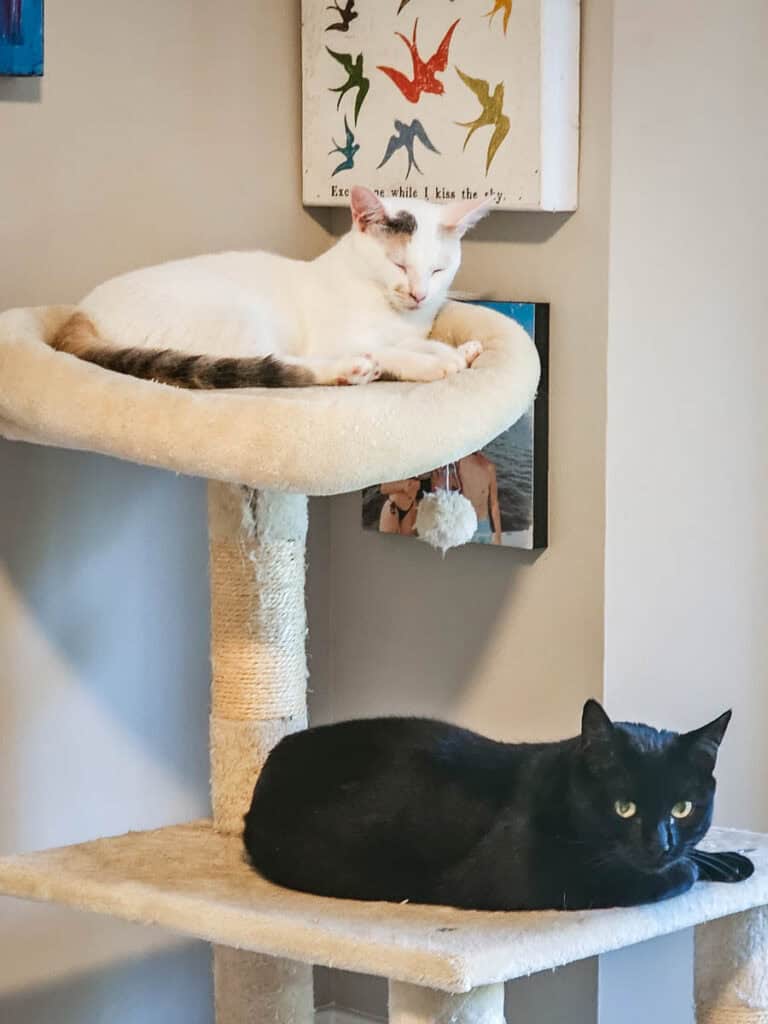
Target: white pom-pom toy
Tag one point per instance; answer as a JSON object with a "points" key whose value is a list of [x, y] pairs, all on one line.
{"points": [[446, 519]]}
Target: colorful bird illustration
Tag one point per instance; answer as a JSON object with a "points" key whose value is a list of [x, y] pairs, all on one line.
{"points": [[424, 72], [500, 5], [346, 13], [404, 3], [355, 79], [491, 114], [348, 150], [404, 137]]}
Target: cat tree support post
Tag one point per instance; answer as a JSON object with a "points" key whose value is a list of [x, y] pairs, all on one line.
{"points": [[258, 630], [732, 969], [413, 1004]]}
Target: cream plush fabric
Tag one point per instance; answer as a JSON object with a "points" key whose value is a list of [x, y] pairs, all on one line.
{"points": [[193, 880], [732, 969], [309, 441], [413, 1004]]}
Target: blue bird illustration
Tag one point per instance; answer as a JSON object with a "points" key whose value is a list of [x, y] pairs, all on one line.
{"points": [[355, 79], [404, 137], [348, 150]]}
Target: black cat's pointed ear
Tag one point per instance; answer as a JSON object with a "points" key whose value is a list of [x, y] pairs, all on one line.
{"points": [[596, 726], [703, 744]]}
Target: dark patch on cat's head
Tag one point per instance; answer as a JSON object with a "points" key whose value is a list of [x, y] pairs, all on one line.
{"points": [[368, 211], [402, 223], [649, 772]]}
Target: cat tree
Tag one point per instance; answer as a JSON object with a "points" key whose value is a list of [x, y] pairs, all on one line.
{"points": [[263, 452]]}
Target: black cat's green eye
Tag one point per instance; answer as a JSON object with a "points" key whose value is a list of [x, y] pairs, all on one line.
{"points": [[625, 808], [682, 809]]}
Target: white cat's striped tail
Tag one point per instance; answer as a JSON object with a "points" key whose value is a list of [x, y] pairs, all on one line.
{"points": [[79, 337]]}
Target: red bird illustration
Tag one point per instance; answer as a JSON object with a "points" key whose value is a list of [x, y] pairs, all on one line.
{"points": [[424, 73]]}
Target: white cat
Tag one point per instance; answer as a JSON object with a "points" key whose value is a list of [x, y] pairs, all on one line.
{"points": [[360, 311]]}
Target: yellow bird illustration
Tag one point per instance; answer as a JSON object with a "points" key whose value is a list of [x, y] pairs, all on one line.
{"points": [[501, 5], [491, 114]]}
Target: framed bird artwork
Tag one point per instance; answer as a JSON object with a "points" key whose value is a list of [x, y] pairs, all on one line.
{"points": [[442, 99]]}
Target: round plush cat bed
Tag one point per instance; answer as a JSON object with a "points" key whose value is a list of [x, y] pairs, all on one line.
{"points": [[319, 440]]}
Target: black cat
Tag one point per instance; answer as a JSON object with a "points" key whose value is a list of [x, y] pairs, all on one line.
{"points": [[412, 809]]}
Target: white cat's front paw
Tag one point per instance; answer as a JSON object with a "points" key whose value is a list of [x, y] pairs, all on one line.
{"points": [[444, 363], [357, 370], [470, 350], [448, 361]]}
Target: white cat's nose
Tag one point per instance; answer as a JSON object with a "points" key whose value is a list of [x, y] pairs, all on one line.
{"points": [[418, 297]]}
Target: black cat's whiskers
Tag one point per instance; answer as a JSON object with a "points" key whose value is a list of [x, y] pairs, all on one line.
{"points": [[703, 856], [710, 869], [729, 866]]}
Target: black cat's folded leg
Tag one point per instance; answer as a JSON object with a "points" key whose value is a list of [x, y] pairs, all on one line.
{"points": [[722, 866], [650, 888]]}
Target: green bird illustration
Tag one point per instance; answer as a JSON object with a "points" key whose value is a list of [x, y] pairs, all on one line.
{"points": [[404, 3], [355, 79], [491, 114]]}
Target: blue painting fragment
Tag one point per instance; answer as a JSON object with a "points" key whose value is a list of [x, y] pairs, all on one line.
{"points": [[21, 37]]}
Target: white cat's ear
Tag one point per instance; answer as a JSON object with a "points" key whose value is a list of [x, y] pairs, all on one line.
{"points": [[366, 207], [460, 217]]}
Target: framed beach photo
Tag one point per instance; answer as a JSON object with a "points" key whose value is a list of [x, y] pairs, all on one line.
{"points": [[506, 481]]}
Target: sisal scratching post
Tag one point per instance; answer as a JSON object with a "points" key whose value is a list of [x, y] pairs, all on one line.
{"points": [[732, 969], [413, 1004], [258, 631], [255, 989]]}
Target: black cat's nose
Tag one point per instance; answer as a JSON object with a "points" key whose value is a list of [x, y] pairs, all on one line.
{"points": [[658, 843]]}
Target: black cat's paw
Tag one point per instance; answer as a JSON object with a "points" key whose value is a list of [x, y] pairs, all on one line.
{"points": [[726, 866]]}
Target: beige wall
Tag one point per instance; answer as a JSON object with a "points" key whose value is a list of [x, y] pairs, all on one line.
{"points": [[687, 488], [160, 129], [502, 641]]}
